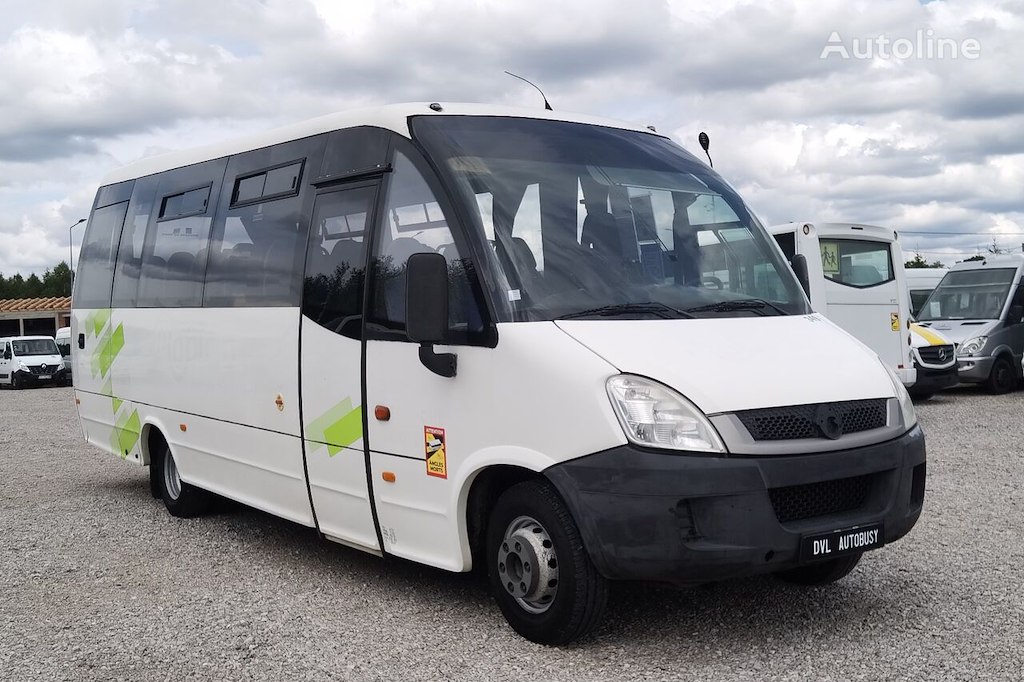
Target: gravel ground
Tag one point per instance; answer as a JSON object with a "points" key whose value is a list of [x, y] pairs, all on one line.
{"points": [[98, 582]]}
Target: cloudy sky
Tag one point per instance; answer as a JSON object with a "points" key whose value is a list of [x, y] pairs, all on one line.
{"points": [[902, 113]]}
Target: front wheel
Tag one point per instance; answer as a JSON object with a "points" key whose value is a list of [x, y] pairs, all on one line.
{"points": [[181, 499], [1002, 378], [17, 382], [540, 574], [823, 572]]}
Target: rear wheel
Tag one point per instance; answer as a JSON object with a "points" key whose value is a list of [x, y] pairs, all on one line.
{"points": [[540, 574], [823, 572], [181, 499], [1002, 378]]}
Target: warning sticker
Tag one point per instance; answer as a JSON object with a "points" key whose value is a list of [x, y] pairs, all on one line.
{"points": [[894, 321], [830, 258], [434, 446]]}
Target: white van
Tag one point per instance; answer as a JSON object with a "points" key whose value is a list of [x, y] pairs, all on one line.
{"points": [[979, 305], [30, 361], [63, 340], [856, 280], [555, 347], [920, 284]]}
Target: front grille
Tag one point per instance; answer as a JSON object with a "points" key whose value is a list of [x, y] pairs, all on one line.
{"points": [[936, 355], [803, 421], [798, 502], [38, 369]]}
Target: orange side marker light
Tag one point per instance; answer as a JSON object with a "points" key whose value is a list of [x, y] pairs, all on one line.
{"points": [[382, 413], [388, 476], [183, 427]]}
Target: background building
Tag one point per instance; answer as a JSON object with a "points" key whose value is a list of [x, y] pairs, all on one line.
{"points": [[34, 316]]}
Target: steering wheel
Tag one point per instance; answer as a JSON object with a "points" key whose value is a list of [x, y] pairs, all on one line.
{"points": [[712, 282]]}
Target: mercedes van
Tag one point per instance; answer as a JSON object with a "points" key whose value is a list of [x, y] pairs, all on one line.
{"points": [[555, 347], [979, 305]]}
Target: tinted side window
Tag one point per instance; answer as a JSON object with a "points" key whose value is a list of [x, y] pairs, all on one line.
{"points": [[96, 260], [336, 262], [414, 222], [175, 252], [260, 233], [133, 238]]}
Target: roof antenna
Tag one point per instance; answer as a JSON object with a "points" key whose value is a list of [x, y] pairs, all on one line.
{"points": [[546, 105], [705, 142]]}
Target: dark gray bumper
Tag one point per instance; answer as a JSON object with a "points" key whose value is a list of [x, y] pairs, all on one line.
{"points": [[683, 518]]}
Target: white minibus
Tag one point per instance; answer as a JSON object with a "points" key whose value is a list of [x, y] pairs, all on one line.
{"points": [[63, 340], [856, 280], [979, 305], [555, 347], [920, 283]]}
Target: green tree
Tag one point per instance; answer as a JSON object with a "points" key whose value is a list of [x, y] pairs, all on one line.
{"points": [[33, 286], [918, 262], [973, 258], [16, 286], [57, 282]]}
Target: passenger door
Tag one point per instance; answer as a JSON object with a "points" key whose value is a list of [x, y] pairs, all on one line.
{"points": [[5, 363], [331, 363], [413, 469]]}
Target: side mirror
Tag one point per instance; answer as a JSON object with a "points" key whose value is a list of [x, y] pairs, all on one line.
{"points": [[7, 355], [1016, 314], [426, 310], [799, 265]]}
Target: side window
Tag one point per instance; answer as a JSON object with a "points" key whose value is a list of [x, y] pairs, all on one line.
{"points": [[856, 263], [96, 260], [259, 239], [129, 253], [178, 237], [414, 222], [336, 260]]}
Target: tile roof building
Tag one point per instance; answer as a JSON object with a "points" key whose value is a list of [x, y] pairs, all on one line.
{"points": [[34, 316]]}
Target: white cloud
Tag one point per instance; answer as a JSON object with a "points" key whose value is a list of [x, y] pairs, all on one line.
{"points": [[916, 143]]}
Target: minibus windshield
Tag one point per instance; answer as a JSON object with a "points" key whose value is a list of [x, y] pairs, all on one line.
{"points": [[588, 221], [26, 347], [969, 295]]}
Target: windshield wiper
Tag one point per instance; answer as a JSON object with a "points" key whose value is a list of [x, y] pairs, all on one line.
{"points": [[661, 310], [754, 304]]}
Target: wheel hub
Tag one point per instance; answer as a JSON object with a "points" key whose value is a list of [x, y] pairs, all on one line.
{"points": [[527, 564], [172, 481]]}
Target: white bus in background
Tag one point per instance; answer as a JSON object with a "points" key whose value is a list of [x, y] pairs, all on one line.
{"points": [[920, 283], [856, 280], [980, 306], [467, 336]]}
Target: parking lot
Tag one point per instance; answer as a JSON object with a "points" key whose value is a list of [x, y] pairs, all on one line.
{"points": [[97, 581]]}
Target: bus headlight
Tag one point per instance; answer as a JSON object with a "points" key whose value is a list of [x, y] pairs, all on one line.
{"points": [[906, 404], [655, 416], [972, 346]]}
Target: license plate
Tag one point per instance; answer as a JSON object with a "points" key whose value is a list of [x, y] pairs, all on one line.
{"points": [[44, 376], [837, 543]]}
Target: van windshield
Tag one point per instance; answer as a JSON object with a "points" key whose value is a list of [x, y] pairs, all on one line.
{"points": [[588, 221], [26, 347], [969, 295]]}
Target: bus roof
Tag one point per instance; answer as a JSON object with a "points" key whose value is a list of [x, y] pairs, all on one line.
{"points": [[393, 117], [1009, 260], [838, 230]]}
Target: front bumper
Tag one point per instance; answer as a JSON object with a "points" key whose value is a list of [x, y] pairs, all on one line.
{"points": [[974, 369], [58, 377], [932, 380], [680, 518]]}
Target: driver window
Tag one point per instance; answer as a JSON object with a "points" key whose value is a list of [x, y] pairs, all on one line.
{"points": [[413, 222]]}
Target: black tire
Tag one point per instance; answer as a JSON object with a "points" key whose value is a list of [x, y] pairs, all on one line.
{"points": [[555, 612], [181, 499], [1002, 378], [821, 573], [922, 395]]}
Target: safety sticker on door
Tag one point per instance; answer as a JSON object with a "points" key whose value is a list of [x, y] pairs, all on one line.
{"points": [[894, 321], [434, 446]]}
